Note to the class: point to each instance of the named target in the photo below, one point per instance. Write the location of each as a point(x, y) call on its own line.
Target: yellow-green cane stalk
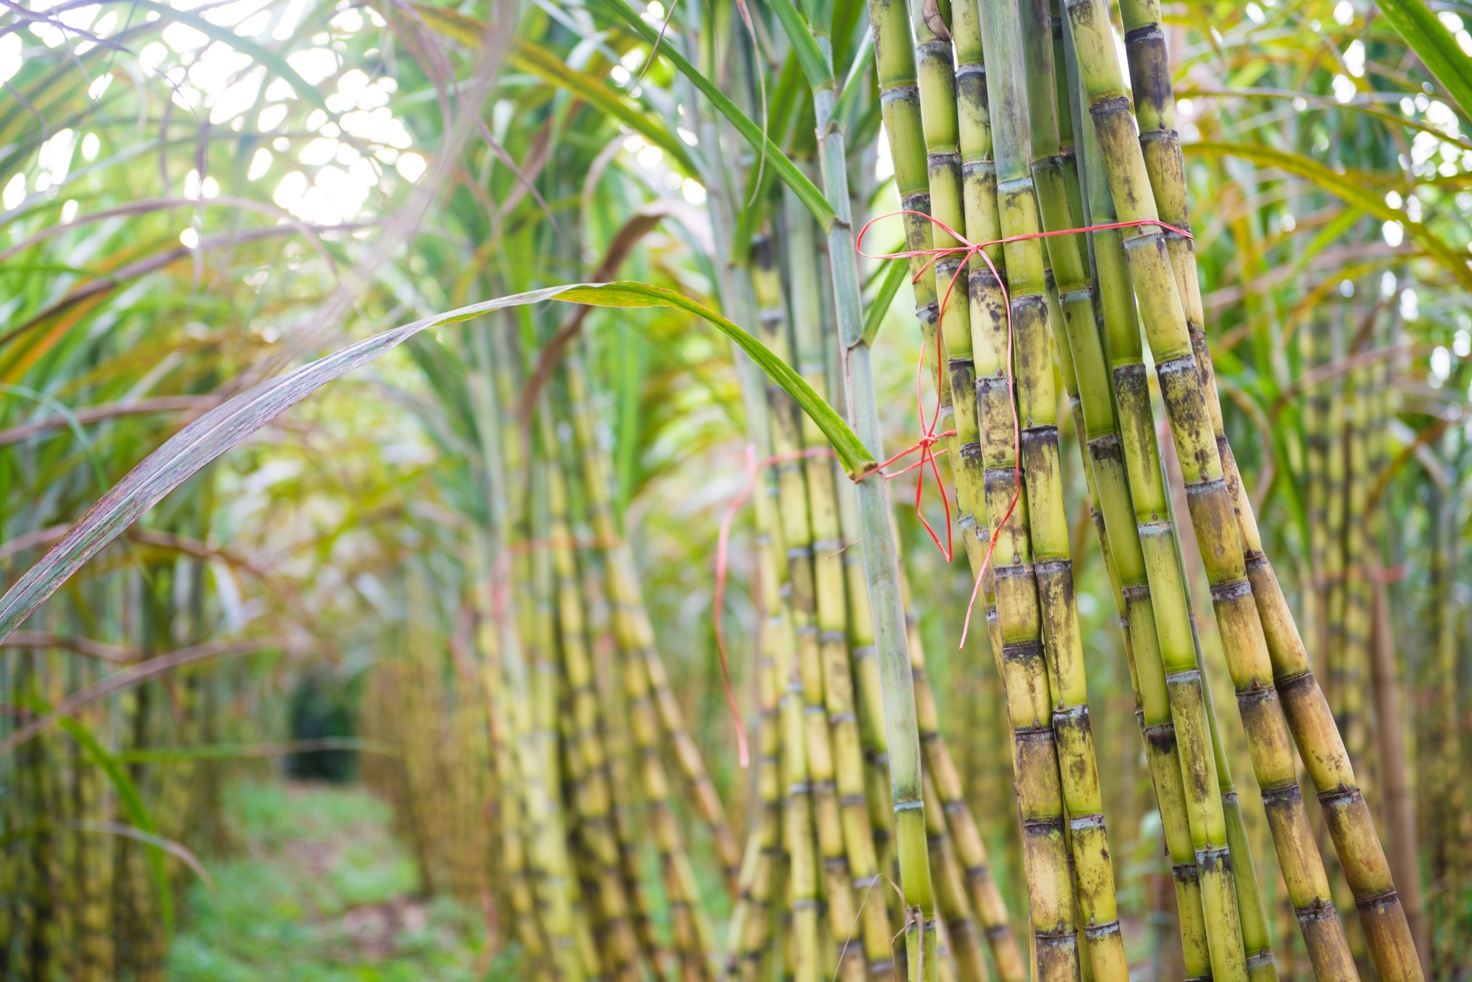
point(933, 184)
point(592, 792)
point(632, 619)
point(1169, 681)
point(1361, 854)
point(801, 590)
point(953, 119)
point(628, 825)
point(969, 896)
point(880, 561)
point(940, 128)
point(567, 921)
point(1155, 524)
point(752, 920)
point(1009, 587)
point(1207, 493)
point(962, 943)
point(635, 641)
point(833, 607)
point(1047, 525)
point(549, 917)
point(1152, 709)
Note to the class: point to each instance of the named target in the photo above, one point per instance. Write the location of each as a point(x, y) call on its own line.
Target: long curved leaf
point(807, 192)
point(1430, 39)
point(529, 57)
point(232, 422)
point(1346, 189)
point(231, 38)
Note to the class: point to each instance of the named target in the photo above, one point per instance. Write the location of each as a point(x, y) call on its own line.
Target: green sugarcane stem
point(528, 853)
point(951, 901)
point(880, 560)
point(585, 734)
point(1009, 585)
point(802, 588)
point(1320, 743)
point(833, 611)
point(635, 641)
point(1152, 710)
point(980, 902)
point(1173, 710)
point(947, 200)
point(798, 826)
point(1208, 494)
point(1048, 528)
point(1120, 330)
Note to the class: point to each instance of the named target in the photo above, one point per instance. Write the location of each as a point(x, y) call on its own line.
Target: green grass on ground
point(321, 892)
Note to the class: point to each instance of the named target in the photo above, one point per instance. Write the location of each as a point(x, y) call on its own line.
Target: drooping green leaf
point(531, 58)
point(230, 423)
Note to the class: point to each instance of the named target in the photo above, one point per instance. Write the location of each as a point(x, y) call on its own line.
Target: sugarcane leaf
point(894, 275)
point(529, 57)
point(806, 191)
point(804, 45)
point(853, 82)
point(534, 59)
point(229, 37)
point(231, 423)
point(174, 848)
point(850, 449)
point(1430, 39)
point(1346, 187)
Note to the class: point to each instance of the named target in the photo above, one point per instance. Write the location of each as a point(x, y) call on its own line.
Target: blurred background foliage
point(197, 196)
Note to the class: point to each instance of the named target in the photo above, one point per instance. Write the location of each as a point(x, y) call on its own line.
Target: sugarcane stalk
point(635, 641)
point(1155, 523)
point(1172, 703)
point(1208, 495)
point(988, 465)
point(834, 611)
point(1048, 542)
point(880, 560)
point(801, 594)
point(752, 921)
point(1360, 852)
point(586, 749)
point(950, 893)
point(520, 646)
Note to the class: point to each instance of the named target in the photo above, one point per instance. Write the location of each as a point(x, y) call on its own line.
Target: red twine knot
point(928, 436)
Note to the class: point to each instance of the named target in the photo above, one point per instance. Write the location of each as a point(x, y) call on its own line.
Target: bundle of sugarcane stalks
point(98, 805)
point(987, 109)
point(534, 770)
point(818, 895)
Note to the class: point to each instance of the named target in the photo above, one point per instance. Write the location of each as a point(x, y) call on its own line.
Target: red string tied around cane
point(967, 248)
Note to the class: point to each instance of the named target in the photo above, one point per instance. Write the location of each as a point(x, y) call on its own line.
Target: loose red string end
point(723, 549)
